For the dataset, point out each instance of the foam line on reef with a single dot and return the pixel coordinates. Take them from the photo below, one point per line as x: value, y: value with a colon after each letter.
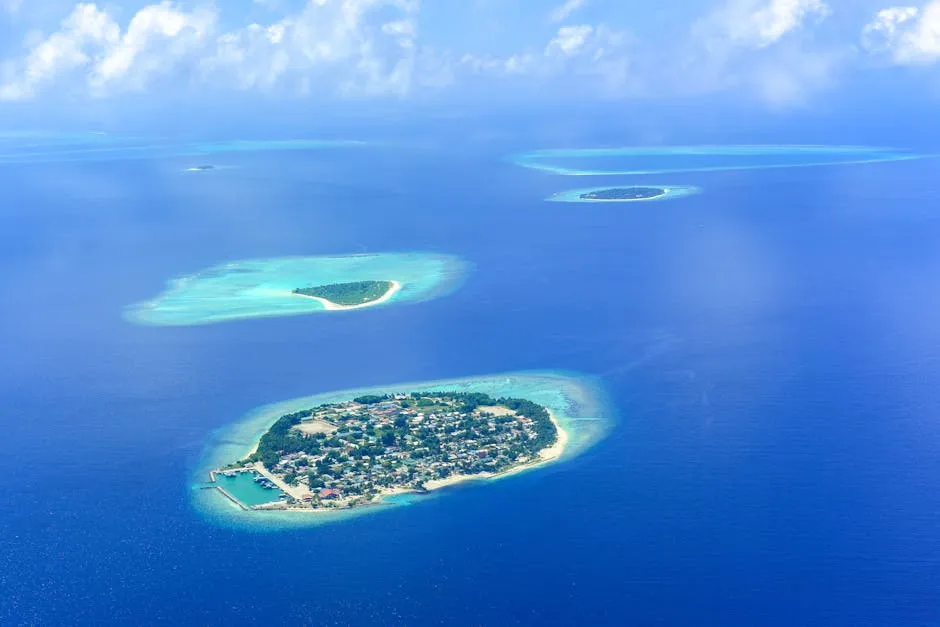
x: 579, y: 403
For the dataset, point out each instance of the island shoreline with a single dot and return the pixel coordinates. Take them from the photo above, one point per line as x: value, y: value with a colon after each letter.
x: 546, y: 456
x: 331, y: 306
x: 579, y: 402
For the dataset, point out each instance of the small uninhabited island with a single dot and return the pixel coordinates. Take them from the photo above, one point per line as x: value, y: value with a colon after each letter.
x: 290, y: 286
x: 624, y: 193
x: 349, y: 295
x: 630, y: 193
x: 201, y: 168
x: 351, y: 454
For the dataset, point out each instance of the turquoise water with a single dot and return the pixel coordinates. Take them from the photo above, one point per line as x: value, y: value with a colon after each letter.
x: 262, y: 287
x: 770, y: 349
x: 672, y: 192
x: 661, y: 160
x: 243, y: 487
x: 34, y: 147
x: 578, y: 402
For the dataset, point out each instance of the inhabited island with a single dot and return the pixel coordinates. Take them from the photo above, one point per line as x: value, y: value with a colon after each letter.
x: 347, y: 295
x: 334, y: 456
x: 350, y: 454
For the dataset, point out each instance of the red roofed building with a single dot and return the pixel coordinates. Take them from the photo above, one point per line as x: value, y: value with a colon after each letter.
x: 329, y: 493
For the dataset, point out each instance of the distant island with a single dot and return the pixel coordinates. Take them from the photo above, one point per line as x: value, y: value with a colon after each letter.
x: 200, y: 168
x: 351, y: 295
x: 352, y: 454
x: 624, y: 193
x: 630, y: 193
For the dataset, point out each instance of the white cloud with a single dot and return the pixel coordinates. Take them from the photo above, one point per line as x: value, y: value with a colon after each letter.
x: 354, y: 47
x: 764, y: 47
x: 758, y: 24
x: 570, y: 40
x: 910, y: 35
x: 89, y: 42
x: 582, y: 50
x: 372, y: 48
x: 521, y: 63
x: 792, y: 77
x: 86, y: 31
x: 347, y: 45
x: 156, y: 39
x: 566, y: 10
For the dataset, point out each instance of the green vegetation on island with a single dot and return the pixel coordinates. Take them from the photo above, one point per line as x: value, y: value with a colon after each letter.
x: 347, y: 454
x: 624, y: 193
x: 348, y: 294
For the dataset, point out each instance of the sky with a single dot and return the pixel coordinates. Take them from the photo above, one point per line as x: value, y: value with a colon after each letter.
x: 778, y: 53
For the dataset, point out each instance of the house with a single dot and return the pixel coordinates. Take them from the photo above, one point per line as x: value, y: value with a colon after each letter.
x: 329, y: 493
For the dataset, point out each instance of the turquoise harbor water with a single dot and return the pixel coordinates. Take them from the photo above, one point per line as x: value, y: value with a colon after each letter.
x: 670, y: 192
x: 242, y: 486
x: 263, y: 287
x: 666, y: 159
x: 579, y: 404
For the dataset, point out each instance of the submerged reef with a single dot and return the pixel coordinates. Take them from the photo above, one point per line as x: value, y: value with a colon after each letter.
x: 661, y: 160
x: 230, y: 493
x: 274, y: 287
x: 45, y: 147
x: 637, y: 193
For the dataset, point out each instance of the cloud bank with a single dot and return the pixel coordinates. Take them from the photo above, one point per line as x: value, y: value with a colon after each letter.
x: 775, y: 50
x: 908, y: 35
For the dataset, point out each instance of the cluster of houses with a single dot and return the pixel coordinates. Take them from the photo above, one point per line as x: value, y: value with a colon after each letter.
x: 400, y: 444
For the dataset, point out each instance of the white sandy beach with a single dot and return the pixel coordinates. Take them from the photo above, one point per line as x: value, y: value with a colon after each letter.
x: 546, y: 455
x: 555, y: 451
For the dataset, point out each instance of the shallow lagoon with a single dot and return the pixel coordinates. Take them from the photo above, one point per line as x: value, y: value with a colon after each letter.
x: 665, y: 159
x: 39, y: 147
x: 263, y: 287
x: 578, y: 403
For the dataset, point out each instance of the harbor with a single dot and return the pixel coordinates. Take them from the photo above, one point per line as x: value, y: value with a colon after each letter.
x: 247, y: 488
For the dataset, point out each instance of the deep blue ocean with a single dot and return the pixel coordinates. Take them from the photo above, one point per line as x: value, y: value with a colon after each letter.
x: 771, y: 349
